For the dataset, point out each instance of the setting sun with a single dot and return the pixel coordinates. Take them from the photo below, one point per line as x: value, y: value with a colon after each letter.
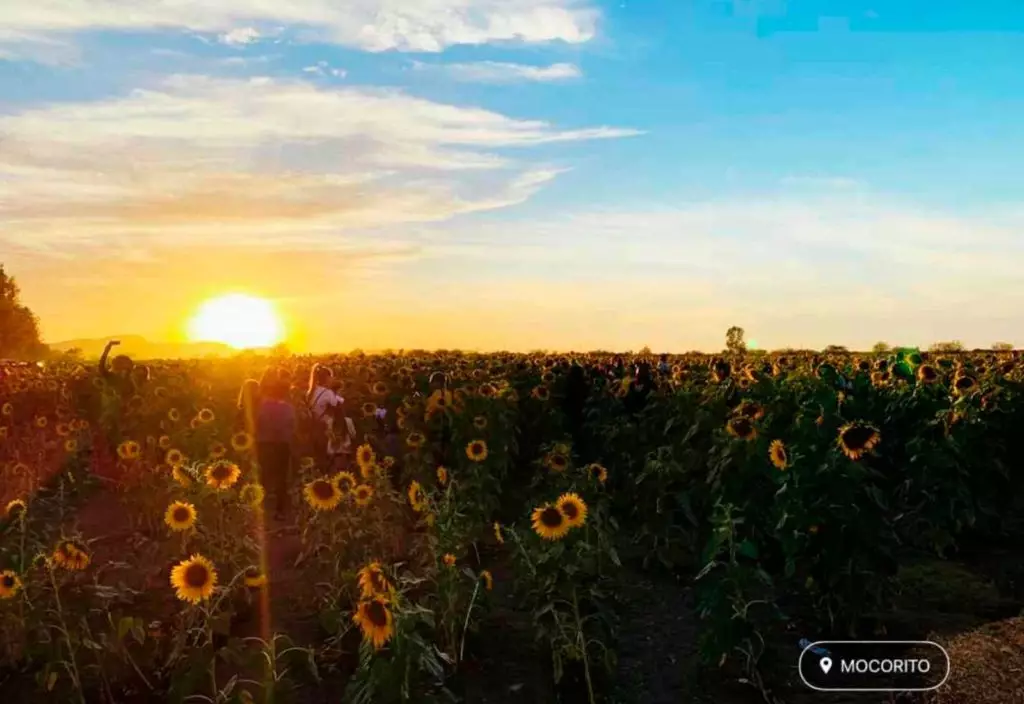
x: 237, y: 320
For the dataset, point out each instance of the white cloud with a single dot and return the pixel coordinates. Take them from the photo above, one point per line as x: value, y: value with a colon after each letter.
x: 498, y: 72
x: 240, y: 36
x: 372, y: 25
x: 244, y: 160
x: 322, y: 68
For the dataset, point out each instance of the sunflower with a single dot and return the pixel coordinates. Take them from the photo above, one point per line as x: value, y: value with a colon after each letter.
x: 550, y: 523
x: 174, y: 415
x: 387, y: 462
x: 252, y: 495
x: 541, y: 393
x: 206, y: 416
x: 417, y: 499
x: 777, y: 454
x: 375, y: 621
x: 720, y: 371
x: 7, y: 409
x: 180, y: 516
x: 497, y: 533
x: 222, y: 474
x: 344, y: 482
x: 71, y: 555
x: 488, y: 579
x: 63, y: 430
x: 476, y: 450
x: 487, y: 390
x: 217, y: 450
x: 857, y: 438
x: 10, y: 584
x: 751, y: 410
x: 380, y: 388
x: 365, y: 457
x: 15, y: 509
x: 927, y: 374
x: 574, y: 508
x: 241, y: 441
x: 174, y: 457
x: 254, y: 578
x: 449, y: 559
x: 71, y: 445
x: 3, y: 432
x: 741, y: 427
x: 374, y: 583
x: 442, y: 476
x: 129, y: 450
x: 182, y: 476
x: 557, y: 462
x: 164, y: 442
x: 41, y: 422
x: 322, y: 494
x: 480, y: 422
x: 194, y: 579
x: 963, y: 384
x: 363, y: 494
x: 598, y: 472
x: 415, y: 440
x: 369, y: 409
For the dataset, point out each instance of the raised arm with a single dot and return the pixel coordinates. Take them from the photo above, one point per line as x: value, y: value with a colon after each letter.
x: 104, y: 369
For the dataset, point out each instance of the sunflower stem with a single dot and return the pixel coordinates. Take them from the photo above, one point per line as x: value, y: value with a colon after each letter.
x: 582, y: 644
x: 465, y: 625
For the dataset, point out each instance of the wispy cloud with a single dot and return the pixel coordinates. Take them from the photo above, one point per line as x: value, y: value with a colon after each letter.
x: 253, y: 159
x: 372, y: 25
x: 322, y: 68
x: 498, y: 72
x: 240, y: 36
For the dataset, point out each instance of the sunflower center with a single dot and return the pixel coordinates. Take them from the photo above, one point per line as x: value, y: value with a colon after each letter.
x: 220, y: 472
x: 377, y: 614
x: 197, y: 575
x: 570, y: 509
x: 742, y: 427
x: 551, y: 517
x: 181, y: 514
x: 8, y: 581
x: 323, y: 490
x: 857, y: 437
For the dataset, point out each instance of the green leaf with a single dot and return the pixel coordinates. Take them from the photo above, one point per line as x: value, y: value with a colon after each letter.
x: 51, y: 681
x: 124, y: 625
x: 749, y: 549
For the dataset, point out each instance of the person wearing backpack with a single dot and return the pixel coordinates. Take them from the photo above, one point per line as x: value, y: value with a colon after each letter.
x: 324, y: 406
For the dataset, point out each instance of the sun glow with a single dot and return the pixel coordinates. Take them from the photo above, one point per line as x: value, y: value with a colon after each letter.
x: 237, y: 320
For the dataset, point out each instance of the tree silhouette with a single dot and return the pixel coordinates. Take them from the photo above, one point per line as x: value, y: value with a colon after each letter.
x: 1002, y: 346
x: 951, y: 346
x: 19, y: 327
x: 734, y: 341
x: 881, y: 348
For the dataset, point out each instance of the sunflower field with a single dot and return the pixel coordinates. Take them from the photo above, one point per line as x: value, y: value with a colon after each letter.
x: 532, y: 528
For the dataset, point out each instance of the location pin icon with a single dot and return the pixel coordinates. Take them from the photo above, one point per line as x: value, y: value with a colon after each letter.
x: 826, y: 665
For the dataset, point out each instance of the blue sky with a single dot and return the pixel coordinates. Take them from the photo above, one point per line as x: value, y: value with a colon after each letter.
x: 549, y: 173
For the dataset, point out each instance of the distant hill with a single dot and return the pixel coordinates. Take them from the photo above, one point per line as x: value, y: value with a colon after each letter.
x: 138, y: 347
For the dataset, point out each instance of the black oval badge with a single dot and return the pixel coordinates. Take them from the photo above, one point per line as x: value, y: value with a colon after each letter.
x: 874, y: 665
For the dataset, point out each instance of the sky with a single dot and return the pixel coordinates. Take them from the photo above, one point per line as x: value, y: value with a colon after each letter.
x: 519, y: 174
